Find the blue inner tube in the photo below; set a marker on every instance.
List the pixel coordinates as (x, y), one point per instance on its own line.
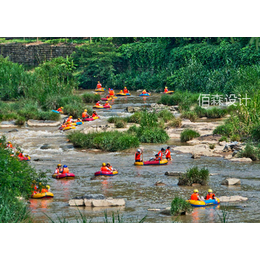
(144, 95)
(55, 111)
(78, 123)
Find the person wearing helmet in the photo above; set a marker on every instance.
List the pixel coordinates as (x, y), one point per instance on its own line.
(109, 166)
(144, 92)
(65, 169)
(48, 188)
(69, 120)
(161, 153)
(60, 109)
(9, 145)
(58, 169)
(104, 167)
(111, 92)
(138, 155)
(125, 90)
(98, 104)
(99, 86)
(121, 91)
(195, 195)
(168, 153)
(210, 195)
(166, 90)
(85, 114)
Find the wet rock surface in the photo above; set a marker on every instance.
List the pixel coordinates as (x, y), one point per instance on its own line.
(231, 181)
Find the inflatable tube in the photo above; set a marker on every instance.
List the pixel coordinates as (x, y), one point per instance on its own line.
(100, 89)
(107, 106)
(113, 97)
(123, 94)
(79, 123)
(73, 124)
(42, 195)
(106, 99)
(24, 159)
(169, 92)
(147, 163)
(107, 173)
(147, 94)
(55, 111)
(199, 203)
(68, 128)
(63, 176)
(102, 107)
(95, 117)
(88, 119)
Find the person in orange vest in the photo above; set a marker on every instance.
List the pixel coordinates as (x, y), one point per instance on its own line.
(195, 195)
(210, 195)
(144, 92)
(157, 158)
(166, 90)
(99, 85)
(168, 153)
(69, 120)
(104, 168)
(109, 166)
(60, 109)
(58, 169)
(121, 91)
(85, 114)
(98, 104)
(107, 103)
(138, 155)
(65, 169)
(161, 153)
(111, 92)
(9, 145)
(125, 90)
(95, 114)
(34, 187)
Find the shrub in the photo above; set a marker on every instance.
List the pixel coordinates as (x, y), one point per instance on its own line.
(250, 152)
(20, 120)
(223, 138)
(180, 205)
(212, 146)
(120, 124)
(135, 118)
(188, 134)
(106, 141)
(175, 122)
(256, 132)
(235, 138)
(216, 112)
(194, 175)
(200, 111)
(165, 115)
(91, 97)
(192, 116)
(75, 110)
(225, 130)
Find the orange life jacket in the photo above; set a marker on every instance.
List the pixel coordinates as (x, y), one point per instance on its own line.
(210, 196)
(84, 114)
(20, 155)
(125, 90)
(144, 92)
(99, 85)
(121, 91)
(194, 196)
(137, 156)
(66, 170)
(160, 155)
(10, 146)
(110, 168)
(97, 104)
(168, 154)
(166, 90)
(112, 93)
(59, 109)
(104, 169)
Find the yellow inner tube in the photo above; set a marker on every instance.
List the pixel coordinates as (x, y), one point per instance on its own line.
(42, 195)
(68, 127)
(95, 117)
(201, 202)
(99, 89)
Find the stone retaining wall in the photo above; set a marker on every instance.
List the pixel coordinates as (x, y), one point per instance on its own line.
(32, 55)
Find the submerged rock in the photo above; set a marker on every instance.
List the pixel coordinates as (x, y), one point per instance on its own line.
(47, 146)
(241, 159)
(159, 183)
(13, 130)
(231, 181)
(232, 198)
(91, 196)
(195, 156)
(177, 174)
(133, 109)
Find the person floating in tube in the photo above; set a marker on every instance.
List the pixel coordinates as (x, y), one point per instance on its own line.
(138, 155)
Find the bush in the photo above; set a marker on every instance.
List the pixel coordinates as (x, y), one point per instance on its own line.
(120, 124)
(91, 97)
(212, 146)
(20, 120)
(223, 138)
(135, 118)
(165, 115)
(250, 152)
(175, 122)
(107, 141)
(75, 110)
(180, 205)
(235, 138)
(216, 112)
(194, 175)
(225, 130)
(192, 116)
(188, 134)
(200, 111)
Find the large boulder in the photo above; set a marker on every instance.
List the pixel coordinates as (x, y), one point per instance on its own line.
(7, 124)
(133, 109)
(232, 198)
(241, 159)
(76, 202)
(231, 181)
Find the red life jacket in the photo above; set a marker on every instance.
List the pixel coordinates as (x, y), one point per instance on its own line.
(104, 169)
(99, 85)
(194, 196)
(168, 154)
(66, 170)
(210, 196)
(125, 90)
(160, 155)
(137, 156)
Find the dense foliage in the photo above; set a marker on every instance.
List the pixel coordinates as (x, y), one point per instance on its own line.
(188, 134)
(179, 206)
(194, 175)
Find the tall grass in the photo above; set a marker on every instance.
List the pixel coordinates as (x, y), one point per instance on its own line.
(91, 97)
(180, 205)
(188, 134)
(194, 175)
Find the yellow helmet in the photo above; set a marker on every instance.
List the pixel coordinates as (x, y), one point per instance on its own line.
(8, 142)
(48, 187)
(61, 107)
(103, 164)
(210, 190)
(85, 110)
(124, 86)
(70, 116)
(59, 165)
(195, 190)
(144, 90)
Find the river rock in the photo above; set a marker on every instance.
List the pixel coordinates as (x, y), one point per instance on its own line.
(133, 109)
(42, 123)
(47, 146)
(7, 124)
(76, 202)
(101, 177)
(231, 181)
(67, 147)
(13, 130)
(91, 196)
(241, 159)
(232, 198)
(167, 212)
(159, 183)
(195, 156)
(177, 174)
(195, 184)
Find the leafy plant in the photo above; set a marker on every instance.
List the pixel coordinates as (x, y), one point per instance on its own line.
(194, 175)
(188, 134)
(180, 205)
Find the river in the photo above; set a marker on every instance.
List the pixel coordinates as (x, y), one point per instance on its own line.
(135, 184)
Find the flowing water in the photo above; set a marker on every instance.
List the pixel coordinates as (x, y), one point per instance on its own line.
(135, 184)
